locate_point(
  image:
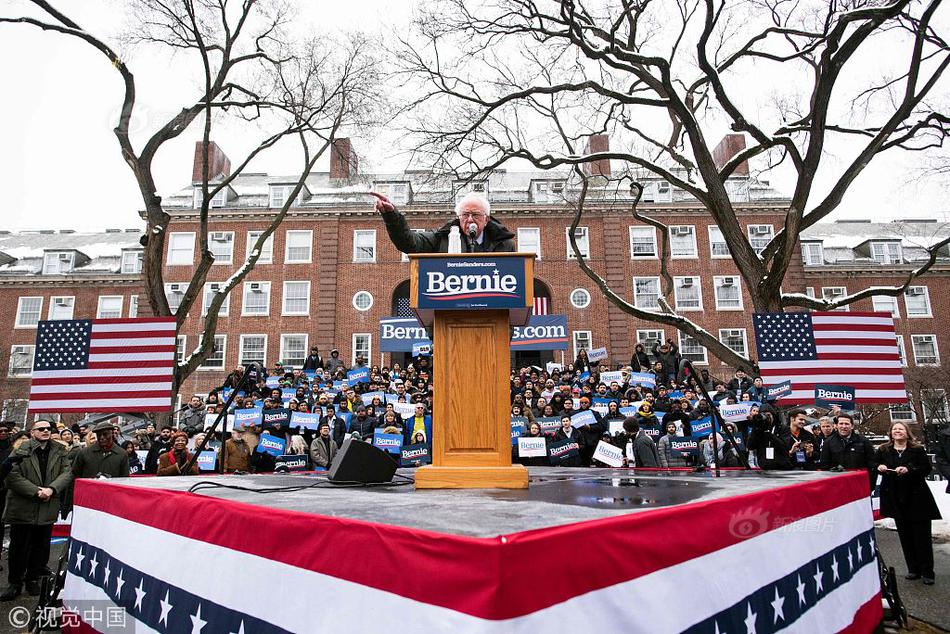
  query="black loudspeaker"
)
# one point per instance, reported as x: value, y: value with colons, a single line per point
x: 359, y: 461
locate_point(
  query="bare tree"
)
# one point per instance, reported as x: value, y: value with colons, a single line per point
x: 303, y: 92
x: 535, y: 80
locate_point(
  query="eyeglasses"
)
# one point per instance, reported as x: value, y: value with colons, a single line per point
x: 42, y: 429
x: 473, y: 216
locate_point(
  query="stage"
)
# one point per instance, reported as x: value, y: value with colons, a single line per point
x: 599, y: 550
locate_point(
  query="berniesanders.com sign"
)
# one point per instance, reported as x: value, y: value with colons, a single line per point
x: 543, y: 332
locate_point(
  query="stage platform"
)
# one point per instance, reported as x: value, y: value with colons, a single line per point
x: 602, y: 550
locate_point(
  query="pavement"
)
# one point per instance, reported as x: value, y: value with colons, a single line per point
x: 925, y: 603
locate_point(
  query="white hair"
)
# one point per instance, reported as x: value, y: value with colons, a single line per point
x: 473, y: 197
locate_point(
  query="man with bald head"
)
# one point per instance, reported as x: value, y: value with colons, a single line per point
x: 472, y: 212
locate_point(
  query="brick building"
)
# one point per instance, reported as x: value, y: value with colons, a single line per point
x: 330, y: 273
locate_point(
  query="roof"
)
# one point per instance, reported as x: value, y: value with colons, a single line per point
x: 849, y: 241
x: 102, y: 250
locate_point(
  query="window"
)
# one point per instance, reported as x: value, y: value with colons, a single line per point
x: 293, y: 350
x: 396, y: 192
x: 56, y: 263
x: 296, y: 298
x: 21, y: 361
x: 886, y: 252
x: 646, y: 292
x: 580, y: 298
x: 267, y: 251
x: 688, y: 293
x: 132, y: 261
x: 15, y: 409
x: 180, y: 348
x: 548, y: 191
x: 364, y: 245
x: 650, y: 338
x: 903, y: 412
x: 28, y: 312
x: 217, y: 201
x: 221, y: 244
x: 917, y: 301
x: 215, y: 360
x: 925, y: 349
x: 210, y: 289
x: 583, y: 242
x: 253, y: 349
x: 299, y: 244
x: 362, y: 346
x: 935, y: 405
x: 174, y: 293
x: 61, y: 307
x: 643, y: 242
x: 362, y: 300
x: 690, y: 349
x: 728, y: 292
x: 529, y: 240
x: 133, y: 305
x: 581, y: 341
x: 834, y: 293
x: 181, y: 248
x: 885, y: 304
x: 901, y: 350
x: 734, y: 339
x: 759, y: 237
x: 110, y: 307
x: 683, y: 241
x: 256, y: 298
x: 813, y: 254
x: 810, y: 291
x: 279, y: 194
x: 717, y: 243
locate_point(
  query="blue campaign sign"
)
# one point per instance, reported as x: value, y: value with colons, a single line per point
x: 226, y: 393
x: 628, y: 411
x: 307, y: 420
x: 287, y: 393
x: 647, y: 379
x: 685, y: 446
x: 543, y: 332
x: 675, y: 394
x: 652, y: 431
x: 415, y: 455
x: 563, y: 450
x: 360, y: 375
x: 310, y: 374
x: 207, y: 460
x: 519, y: 425
x: 778, y: 390
x: 460, y: 282
x: 828, y: 395
x: 369, y: 396
x: 248, y: 416
x: 400, y: 334
x: 338, y: 385
x: 387, y: 442
x: 579, y: 419
x: 549, y: 424
x: 421, y: 349
x: 292, y: 462
x: 702, y: 427
x: 271, y: 445
x: 273, y: 417
x: 272, y: 382
x: 600, y: 400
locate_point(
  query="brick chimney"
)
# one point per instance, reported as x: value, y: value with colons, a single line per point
x: 343, y: 160
x: 731, y: 145
x: 218, y: 163
x: 597, y: 143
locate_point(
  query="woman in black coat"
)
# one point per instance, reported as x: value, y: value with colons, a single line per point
x: 533, y: 431
x: 905, y: 496
x: 568, y: 432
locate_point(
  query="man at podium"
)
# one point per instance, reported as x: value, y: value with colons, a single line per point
x: 478, y: 231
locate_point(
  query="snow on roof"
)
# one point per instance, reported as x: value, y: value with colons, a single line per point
x: 103, y: 248
x: 850, y: 235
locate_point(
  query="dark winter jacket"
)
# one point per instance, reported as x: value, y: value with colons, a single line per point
x: 91, y: 461
x: 25, y: 479
x: 575, y: 435
x: 644, y: 449
x: 943, y: 455
x: 670, y: 359
x: 907, y: 496
x: 855, y: 452
x: 313, y: 362
x: 496, y: 236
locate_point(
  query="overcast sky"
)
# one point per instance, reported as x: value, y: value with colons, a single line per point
x: 59, y: 161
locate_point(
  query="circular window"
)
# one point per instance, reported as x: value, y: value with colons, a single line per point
x: 362, y: 300
x: 580, y: 298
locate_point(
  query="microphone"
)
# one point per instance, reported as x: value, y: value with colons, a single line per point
x: 472, y: 232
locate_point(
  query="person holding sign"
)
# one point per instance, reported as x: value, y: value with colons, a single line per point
x: 171, y: 463
x: 668, y: 457
x: 568, y: 432
x: 591, y: 433
x: 533, y: 431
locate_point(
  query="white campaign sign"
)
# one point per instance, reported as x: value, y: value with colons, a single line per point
x: 609, y: 377
x: 596, y: 354
x: 550, y: 366
x: 732, y: 413
x: 532, y: 448
x: 608, y: 454
x: 405, y: 409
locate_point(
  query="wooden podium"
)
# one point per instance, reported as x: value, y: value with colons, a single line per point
x: 469, y: 302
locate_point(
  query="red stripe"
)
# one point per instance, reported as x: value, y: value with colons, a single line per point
x: 823, y: 368
x: 144, y: 321
x: 75, y: 625
x: 876, y: 356
x: 867, y: 618
x: 114, y: 365
x: 101, y: 380
x: 851, y: 313
x: 136, y: 334
x: 534, y: 341
x: 486, y: 578
x: 76, y: 396
x: 861, y: 327
x: 857, y: 344
x: 130, y: 349
x: 91, y: 407
x: 810, y: 400
x: 897, y: 385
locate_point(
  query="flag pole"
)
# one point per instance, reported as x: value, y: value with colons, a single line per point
x: 717, y: 422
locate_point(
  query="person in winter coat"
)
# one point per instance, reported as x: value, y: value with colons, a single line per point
x: 490, y: 235
x: 193, y: 417
x: 161, y: 444
x: 943, y: 455
x: 739, y: 384
x: 104, y: 457
x: 236, y: 452
x: 591, y: 433
x: 847, y: 448
x: 313, y: 361
x: 667, y: 355
x: 334, y: 363
x: 135, y: 464
x: 640, y: 361
x: 677, y: 415
x: 639, y: 450
x: 568, y: 432
x: 800, y: 442
x: 904, y: 465
x: 323, y: 448
x: 39, y: 474
x: 533, y: 431
x: 668, y: 457
x: 362, y: 423
x: 172, y: 462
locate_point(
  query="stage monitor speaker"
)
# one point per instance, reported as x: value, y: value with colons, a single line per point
x: 359, y: 461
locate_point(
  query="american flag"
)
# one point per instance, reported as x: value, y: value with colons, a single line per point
x: 854, y: 349
x: 103, y: 365
x: 540, y: 306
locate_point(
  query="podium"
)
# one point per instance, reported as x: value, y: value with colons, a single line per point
x: 469, y: 303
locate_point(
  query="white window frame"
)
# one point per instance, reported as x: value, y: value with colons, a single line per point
x: 716, y: 237
x: 913, y: 344
x: 770, y: 233
x: 645, y: 231
x: 881, y: 252
x: 61, y: 267
x: 902, y: 351
x: 828, y: 294
x: 52, y: 306
x: 636, y: 301
x: 168, y: 286
x: 810, y: 257
x: 283, y: 348
x: 363, y: 233
x: 926, y: 296
x: 583, y: 242
x: 206, y: 294
x: 894, y: 309
x: 99, y: 314
x: 267, y: 252
x: 181, y: 348
x: 226, y: 257
x: 646, y: 341
x: 19, y: 312
x: 224, y: 355
x: 247, y: 292
x: 745, y: 340
x: 133, y: 306
x: 369, y: 347
x: 694, y: 251
x: 810, y: 292
x: 241, y: 350
x: 939, y: 393
x: 180, y: 260
x: 132, y: 260
x: 522, y: 247
x: 10, y: 407
x: 695, y: 282
x: 705, y: 360
x: 580, y: 290
x: 907, y: 411
x: 719, y: 282
x: 29, y: 350
x: 284, y: 297
x: 372, y: 300
x: 287, y: 247
x: 577, y: 336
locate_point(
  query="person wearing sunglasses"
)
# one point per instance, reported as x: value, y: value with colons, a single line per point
x: 40, y: 473
x: 473, y: 216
